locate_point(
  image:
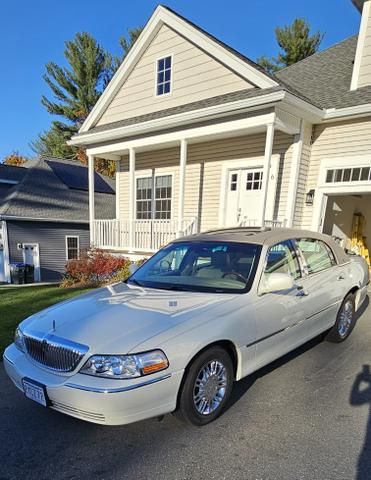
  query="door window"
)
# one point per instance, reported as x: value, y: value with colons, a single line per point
x: 317, y: 254
x: 282, y: 258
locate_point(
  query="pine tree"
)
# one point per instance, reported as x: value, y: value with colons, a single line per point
x: 76, y: 89
x: 296, y: 43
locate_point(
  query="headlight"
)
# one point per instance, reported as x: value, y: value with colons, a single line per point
x: 19, y: 340
x: 126, y: 366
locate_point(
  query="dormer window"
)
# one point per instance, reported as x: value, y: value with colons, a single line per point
x: 163, y: 85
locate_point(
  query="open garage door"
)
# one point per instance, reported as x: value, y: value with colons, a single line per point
x: 348, y: 218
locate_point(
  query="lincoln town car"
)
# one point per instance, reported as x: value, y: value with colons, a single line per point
x: 202, y: 313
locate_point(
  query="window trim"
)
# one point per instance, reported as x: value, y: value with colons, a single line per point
x: 153, y: 176
x: 171, y: 55
x: 78, y: 246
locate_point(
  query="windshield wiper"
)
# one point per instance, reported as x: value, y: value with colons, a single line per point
x: 178, y: 288
x: 132, y: 280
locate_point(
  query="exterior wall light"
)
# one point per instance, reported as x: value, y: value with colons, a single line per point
x: 309, y: 197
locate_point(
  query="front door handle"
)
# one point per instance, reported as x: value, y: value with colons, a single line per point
x: 301, y: 291
x: 341, y: 277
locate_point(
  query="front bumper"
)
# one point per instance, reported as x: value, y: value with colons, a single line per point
x: 99, y: 400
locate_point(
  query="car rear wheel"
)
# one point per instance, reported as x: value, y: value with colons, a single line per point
x: 206, y: 388
x: 345, y: 321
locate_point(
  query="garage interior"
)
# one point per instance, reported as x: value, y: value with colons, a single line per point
x: 348, y: 219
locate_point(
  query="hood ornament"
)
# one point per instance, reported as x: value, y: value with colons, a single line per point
x: 53, y: 329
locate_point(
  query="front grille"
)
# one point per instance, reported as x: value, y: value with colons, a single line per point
x: 55, y: 353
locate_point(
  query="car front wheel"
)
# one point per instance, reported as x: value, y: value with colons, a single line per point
x: 207, y: 387
x: 345, y: 320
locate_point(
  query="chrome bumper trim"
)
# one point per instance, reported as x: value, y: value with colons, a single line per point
x: 117, y: 390
x: 8, y: 359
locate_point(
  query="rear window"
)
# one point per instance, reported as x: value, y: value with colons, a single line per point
x: 317, y: 254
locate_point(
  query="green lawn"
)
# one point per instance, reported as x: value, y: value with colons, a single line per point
x: 16, y: 304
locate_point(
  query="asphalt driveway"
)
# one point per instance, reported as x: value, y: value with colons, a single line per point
x: 308, y: 416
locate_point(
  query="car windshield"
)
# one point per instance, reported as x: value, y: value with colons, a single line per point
x: 225, y: 267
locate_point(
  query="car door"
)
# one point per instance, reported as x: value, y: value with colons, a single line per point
x: 280, y: 315
x: 323, y: 284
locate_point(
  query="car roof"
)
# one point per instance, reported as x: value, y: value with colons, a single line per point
x: 265, y: 237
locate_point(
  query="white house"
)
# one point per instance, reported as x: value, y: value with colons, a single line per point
x: 204, y: 138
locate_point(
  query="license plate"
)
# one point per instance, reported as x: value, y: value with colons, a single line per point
x: 35, y: 391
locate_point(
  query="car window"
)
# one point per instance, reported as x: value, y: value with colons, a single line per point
x: 317, y: 254
x: 201, y: 266
x: 282, y: 258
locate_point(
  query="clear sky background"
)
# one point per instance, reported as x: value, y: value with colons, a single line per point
x: 33, y: 33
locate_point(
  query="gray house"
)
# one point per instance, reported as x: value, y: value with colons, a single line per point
x: 44, y: 214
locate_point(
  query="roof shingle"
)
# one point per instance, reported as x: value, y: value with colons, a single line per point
x: 42, y: 194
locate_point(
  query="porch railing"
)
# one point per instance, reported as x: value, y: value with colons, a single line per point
x: 246, y: 222
x: 148, y: 235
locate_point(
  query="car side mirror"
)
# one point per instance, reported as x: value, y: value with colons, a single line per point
x: 133, y: 267
x: 276, y: 282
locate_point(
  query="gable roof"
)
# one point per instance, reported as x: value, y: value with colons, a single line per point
x: 325, y: 77
x: 235, y: 61
x: 42, y: 194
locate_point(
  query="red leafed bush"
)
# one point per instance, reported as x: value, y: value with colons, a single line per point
x: 95, y: 267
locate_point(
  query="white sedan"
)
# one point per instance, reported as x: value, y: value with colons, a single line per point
x: 203, y: 312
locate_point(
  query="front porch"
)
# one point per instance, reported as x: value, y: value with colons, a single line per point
x: 227, y: 174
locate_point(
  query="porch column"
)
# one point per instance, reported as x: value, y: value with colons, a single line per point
x: 182, y: 174
x: 267, y: 166
x: 132, y: 192
x: 91, y: 198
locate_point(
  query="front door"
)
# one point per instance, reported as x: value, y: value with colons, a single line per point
x: 244, y: 197
x: 31, y: 257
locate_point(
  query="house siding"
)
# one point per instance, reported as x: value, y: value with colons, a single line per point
x: 364, y: 77
x: 52, y: 244
x: 333, y: 140
x: 204, y: 173
x: 196, y: 76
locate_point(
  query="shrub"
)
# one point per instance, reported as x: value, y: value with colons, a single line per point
x: 95, y: 267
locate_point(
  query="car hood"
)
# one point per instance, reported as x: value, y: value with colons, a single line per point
x: 116, y: 318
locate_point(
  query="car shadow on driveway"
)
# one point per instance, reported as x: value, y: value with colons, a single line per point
x: 241, y: 387
x: 361, y: 395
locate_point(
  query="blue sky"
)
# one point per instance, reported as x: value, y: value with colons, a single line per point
x: 34, y: 33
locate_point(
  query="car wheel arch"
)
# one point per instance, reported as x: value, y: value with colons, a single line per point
x: 229, y: 346
x: 356, y: 291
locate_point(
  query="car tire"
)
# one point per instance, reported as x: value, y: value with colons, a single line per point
x: 345, y: 321
x: 206, y: 387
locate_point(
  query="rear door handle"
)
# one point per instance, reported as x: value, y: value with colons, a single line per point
x: 341, y: 277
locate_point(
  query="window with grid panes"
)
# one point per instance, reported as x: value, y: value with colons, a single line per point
x: 72, y: 247
x: 254, y: 180
x: 154, y: 203
x: 144, y: 198
x: 357, y: 174
x: 163, y: 85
